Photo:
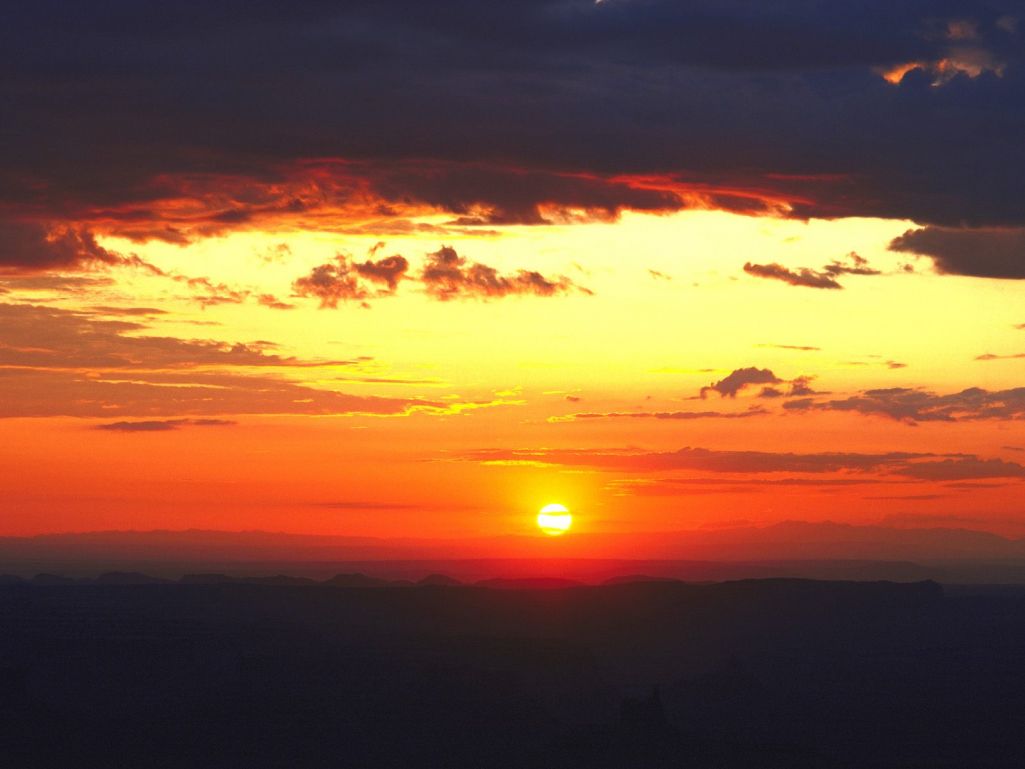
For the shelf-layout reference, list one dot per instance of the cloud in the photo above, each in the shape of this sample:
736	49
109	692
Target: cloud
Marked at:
446	275
992	356
31	246
932	519
981	253
61	284
877	360
970	62
908	497
127	311
522	113
659	415
914	465
347	281
801	386
58	362
671	487
163	425
797	347
730	385
38	337
332	283
963	468
271	301
801	277
388	271
43	393
853	264
965	53
912	405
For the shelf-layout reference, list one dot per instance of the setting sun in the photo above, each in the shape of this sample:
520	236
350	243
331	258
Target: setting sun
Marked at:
554	520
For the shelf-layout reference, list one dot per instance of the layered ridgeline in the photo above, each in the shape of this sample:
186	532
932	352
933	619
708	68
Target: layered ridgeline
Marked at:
792	549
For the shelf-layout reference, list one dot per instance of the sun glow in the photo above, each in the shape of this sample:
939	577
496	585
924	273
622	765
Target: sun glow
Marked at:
554	520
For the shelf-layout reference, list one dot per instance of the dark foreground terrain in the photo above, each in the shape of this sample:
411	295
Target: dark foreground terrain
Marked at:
771	673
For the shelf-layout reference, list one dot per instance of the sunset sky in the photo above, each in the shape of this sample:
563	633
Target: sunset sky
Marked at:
412	269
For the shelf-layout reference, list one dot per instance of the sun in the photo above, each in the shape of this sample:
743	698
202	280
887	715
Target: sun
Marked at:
554	520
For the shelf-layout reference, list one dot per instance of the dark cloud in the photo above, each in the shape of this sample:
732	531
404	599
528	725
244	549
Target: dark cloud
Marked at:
271	301
908	497
43	393
56	362
918	520
730	385
801	386
127	311
798	347
62	284
388	271
29	246
877	360
159	121
912	406
801	277
446	275
920	466
660	415
48	338
163	425
963	468
982	253
994	356
852	264
671	487
347	281
332	283
359	505
209	293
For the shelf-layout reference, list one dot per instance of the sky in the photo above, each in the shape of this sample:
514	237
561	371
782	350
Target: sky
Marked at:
414	270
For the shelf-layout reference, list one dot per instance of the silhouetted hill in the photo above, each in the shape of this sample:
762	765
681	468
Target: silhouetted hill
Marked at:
439	580
52	579
279	579
128	578
748	674
356	580
205	579
629	578
528	583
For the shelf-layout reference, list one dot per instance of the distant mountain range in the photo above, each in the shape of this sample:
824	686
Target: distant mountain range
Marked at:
791	549
350	580
787	540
